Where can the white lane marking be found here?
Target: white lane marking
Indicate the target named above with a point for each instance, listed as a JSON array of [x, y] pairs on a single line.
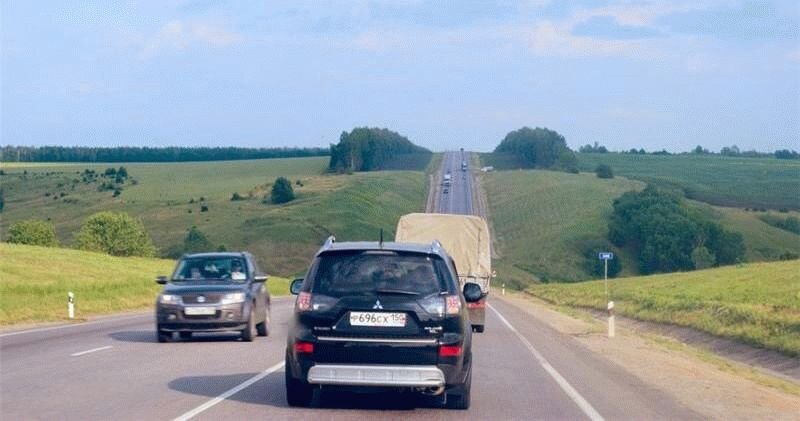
[[230, 392], [94, 322], [573, 394], [89, 351]]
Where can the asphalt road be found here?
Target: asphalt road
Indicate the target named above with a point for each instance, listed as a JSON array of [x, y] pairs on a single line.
[[458, 199], [113, 368]]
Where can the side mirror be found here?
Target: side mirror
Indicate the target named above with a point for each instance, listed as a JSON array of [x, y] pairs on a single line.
[[260, 277], [161, 280], [472, 292], [296, 286]]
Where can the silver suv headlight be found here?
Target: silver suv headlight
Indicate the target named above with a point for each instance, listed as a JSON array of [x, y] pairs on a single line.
[[170, 299], [236, 297]]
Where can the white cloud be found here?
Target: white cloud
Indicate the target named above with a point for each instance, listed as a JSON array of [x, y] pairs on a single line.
[[549, 39], [177, 35], [793, 55]]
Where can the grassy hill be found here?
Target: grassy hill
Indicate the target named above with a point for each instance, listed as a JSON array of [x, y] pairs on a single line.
[[719, 180], [168, 199], [754, 303], [542, 219], [34, 282]]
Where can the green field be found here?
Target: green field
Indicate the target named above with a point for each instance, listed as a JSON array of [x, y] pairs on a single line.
[[541, 219], [719, 180], [283, 237], [755, 303], [34, 282]]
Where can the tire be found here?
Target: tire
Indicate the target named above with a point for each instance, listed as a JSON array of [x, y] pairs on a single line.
[[461, 399], [162, 336], [478, 328], [298, 392], [185, 335], [263, 327], [249, 332]]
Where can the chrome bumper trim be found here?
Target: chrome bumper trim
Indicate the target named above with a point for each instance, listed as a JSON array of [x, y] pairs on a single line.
[[376, 375], [426, 341]]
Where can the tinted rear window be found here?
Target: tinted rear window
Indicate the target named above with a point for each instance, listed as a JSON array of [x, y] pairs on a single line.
[[371, 273]]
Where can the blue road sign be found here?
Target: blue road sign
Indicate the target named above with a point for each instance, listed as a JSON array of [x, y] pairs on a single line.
[[607, 255]]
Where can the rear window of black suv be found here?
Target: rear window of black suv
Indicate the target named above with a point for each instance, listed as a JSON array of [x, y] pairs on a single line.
[[348, 273]]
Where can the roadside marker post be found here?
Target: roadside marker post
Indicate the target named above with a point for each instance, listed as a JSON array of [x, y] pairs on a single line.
[[605, 257], [71, 305], [504, 289]]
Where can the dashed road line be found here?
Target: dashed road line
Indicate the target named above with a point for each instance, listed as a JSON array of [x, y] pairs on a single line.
[[89, 351]]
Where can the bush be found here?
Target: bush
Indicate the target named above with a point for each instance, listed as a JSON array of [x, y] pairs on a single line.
[[196, 241], [117, 234], [702, 258], [664, 232], [604, 171], [282, 191], [236, 196], [203, 208], [33, 232]]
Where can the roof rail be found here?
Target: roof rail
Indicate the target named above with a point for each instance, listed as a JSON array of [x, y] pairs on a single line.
[[329, 242]]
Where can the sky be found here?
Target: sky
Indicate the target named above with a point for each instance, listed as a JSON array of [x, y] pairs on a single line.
[[446, 74]]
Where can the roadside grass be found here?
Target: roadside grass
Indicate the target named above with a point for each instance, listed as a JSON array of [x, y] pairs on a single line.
[[541, 219], [756, 303], [34, 282], [719, 180], [282, 237]]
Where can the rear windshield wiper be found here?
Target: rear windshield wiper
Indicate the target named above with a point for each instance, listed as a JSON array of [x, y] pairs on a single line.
[[395, 291]]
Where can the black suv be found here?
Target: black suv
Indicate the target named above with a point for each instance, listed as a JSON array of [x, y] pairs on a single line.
[[381, 316], [213, 292]]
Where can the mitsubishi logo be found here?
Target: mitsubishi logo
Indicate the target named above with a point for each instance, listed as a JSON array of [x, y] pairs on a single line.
[[377, 305], [201, 299]]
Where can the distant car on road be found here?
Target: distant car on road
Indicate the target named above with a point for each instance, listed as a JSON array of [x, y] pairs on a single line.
[[213, 292], [446, 190], [381, 316]]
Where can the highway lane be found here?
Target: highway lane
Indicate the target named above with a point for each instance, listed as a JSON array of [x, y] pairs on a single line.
[[458, 200], [138, 378], [114, 368]]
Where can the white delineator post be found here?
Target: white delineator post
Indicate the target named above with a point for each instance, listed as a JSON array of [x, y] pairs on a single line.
[[71, 305], [611, 328], [504, 289]]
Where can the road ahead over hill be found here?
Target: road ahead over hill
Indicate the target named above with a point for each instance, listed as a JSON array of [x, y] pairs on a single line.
[[114, 368]]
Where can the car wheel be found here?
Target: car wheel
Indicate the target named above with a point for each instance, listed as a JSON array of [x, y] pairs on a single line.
[[298, 392], [162, 336], [250, 331], [186, 335], [478, 328], [461, 399], [263, 327]]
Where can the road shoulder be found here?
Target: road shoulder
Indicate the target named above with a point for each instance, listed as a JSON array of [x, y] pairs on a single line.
[[712, 386]]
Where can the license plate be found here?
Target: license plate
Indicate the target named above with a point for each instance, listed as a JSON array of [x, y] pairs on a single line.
[[360, 318], [199, 311]]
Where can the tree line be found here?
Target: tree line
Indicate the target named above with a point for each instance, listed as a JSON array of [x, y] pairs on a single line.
[[148, 154], [538, 148], [698, 150], [373, 149]]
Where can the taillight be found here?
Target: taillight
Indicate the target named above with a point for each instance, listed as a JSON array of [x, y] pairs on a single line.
[[477, 304], [453, 304], [450, 350], [304, 301], [304, 347]]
